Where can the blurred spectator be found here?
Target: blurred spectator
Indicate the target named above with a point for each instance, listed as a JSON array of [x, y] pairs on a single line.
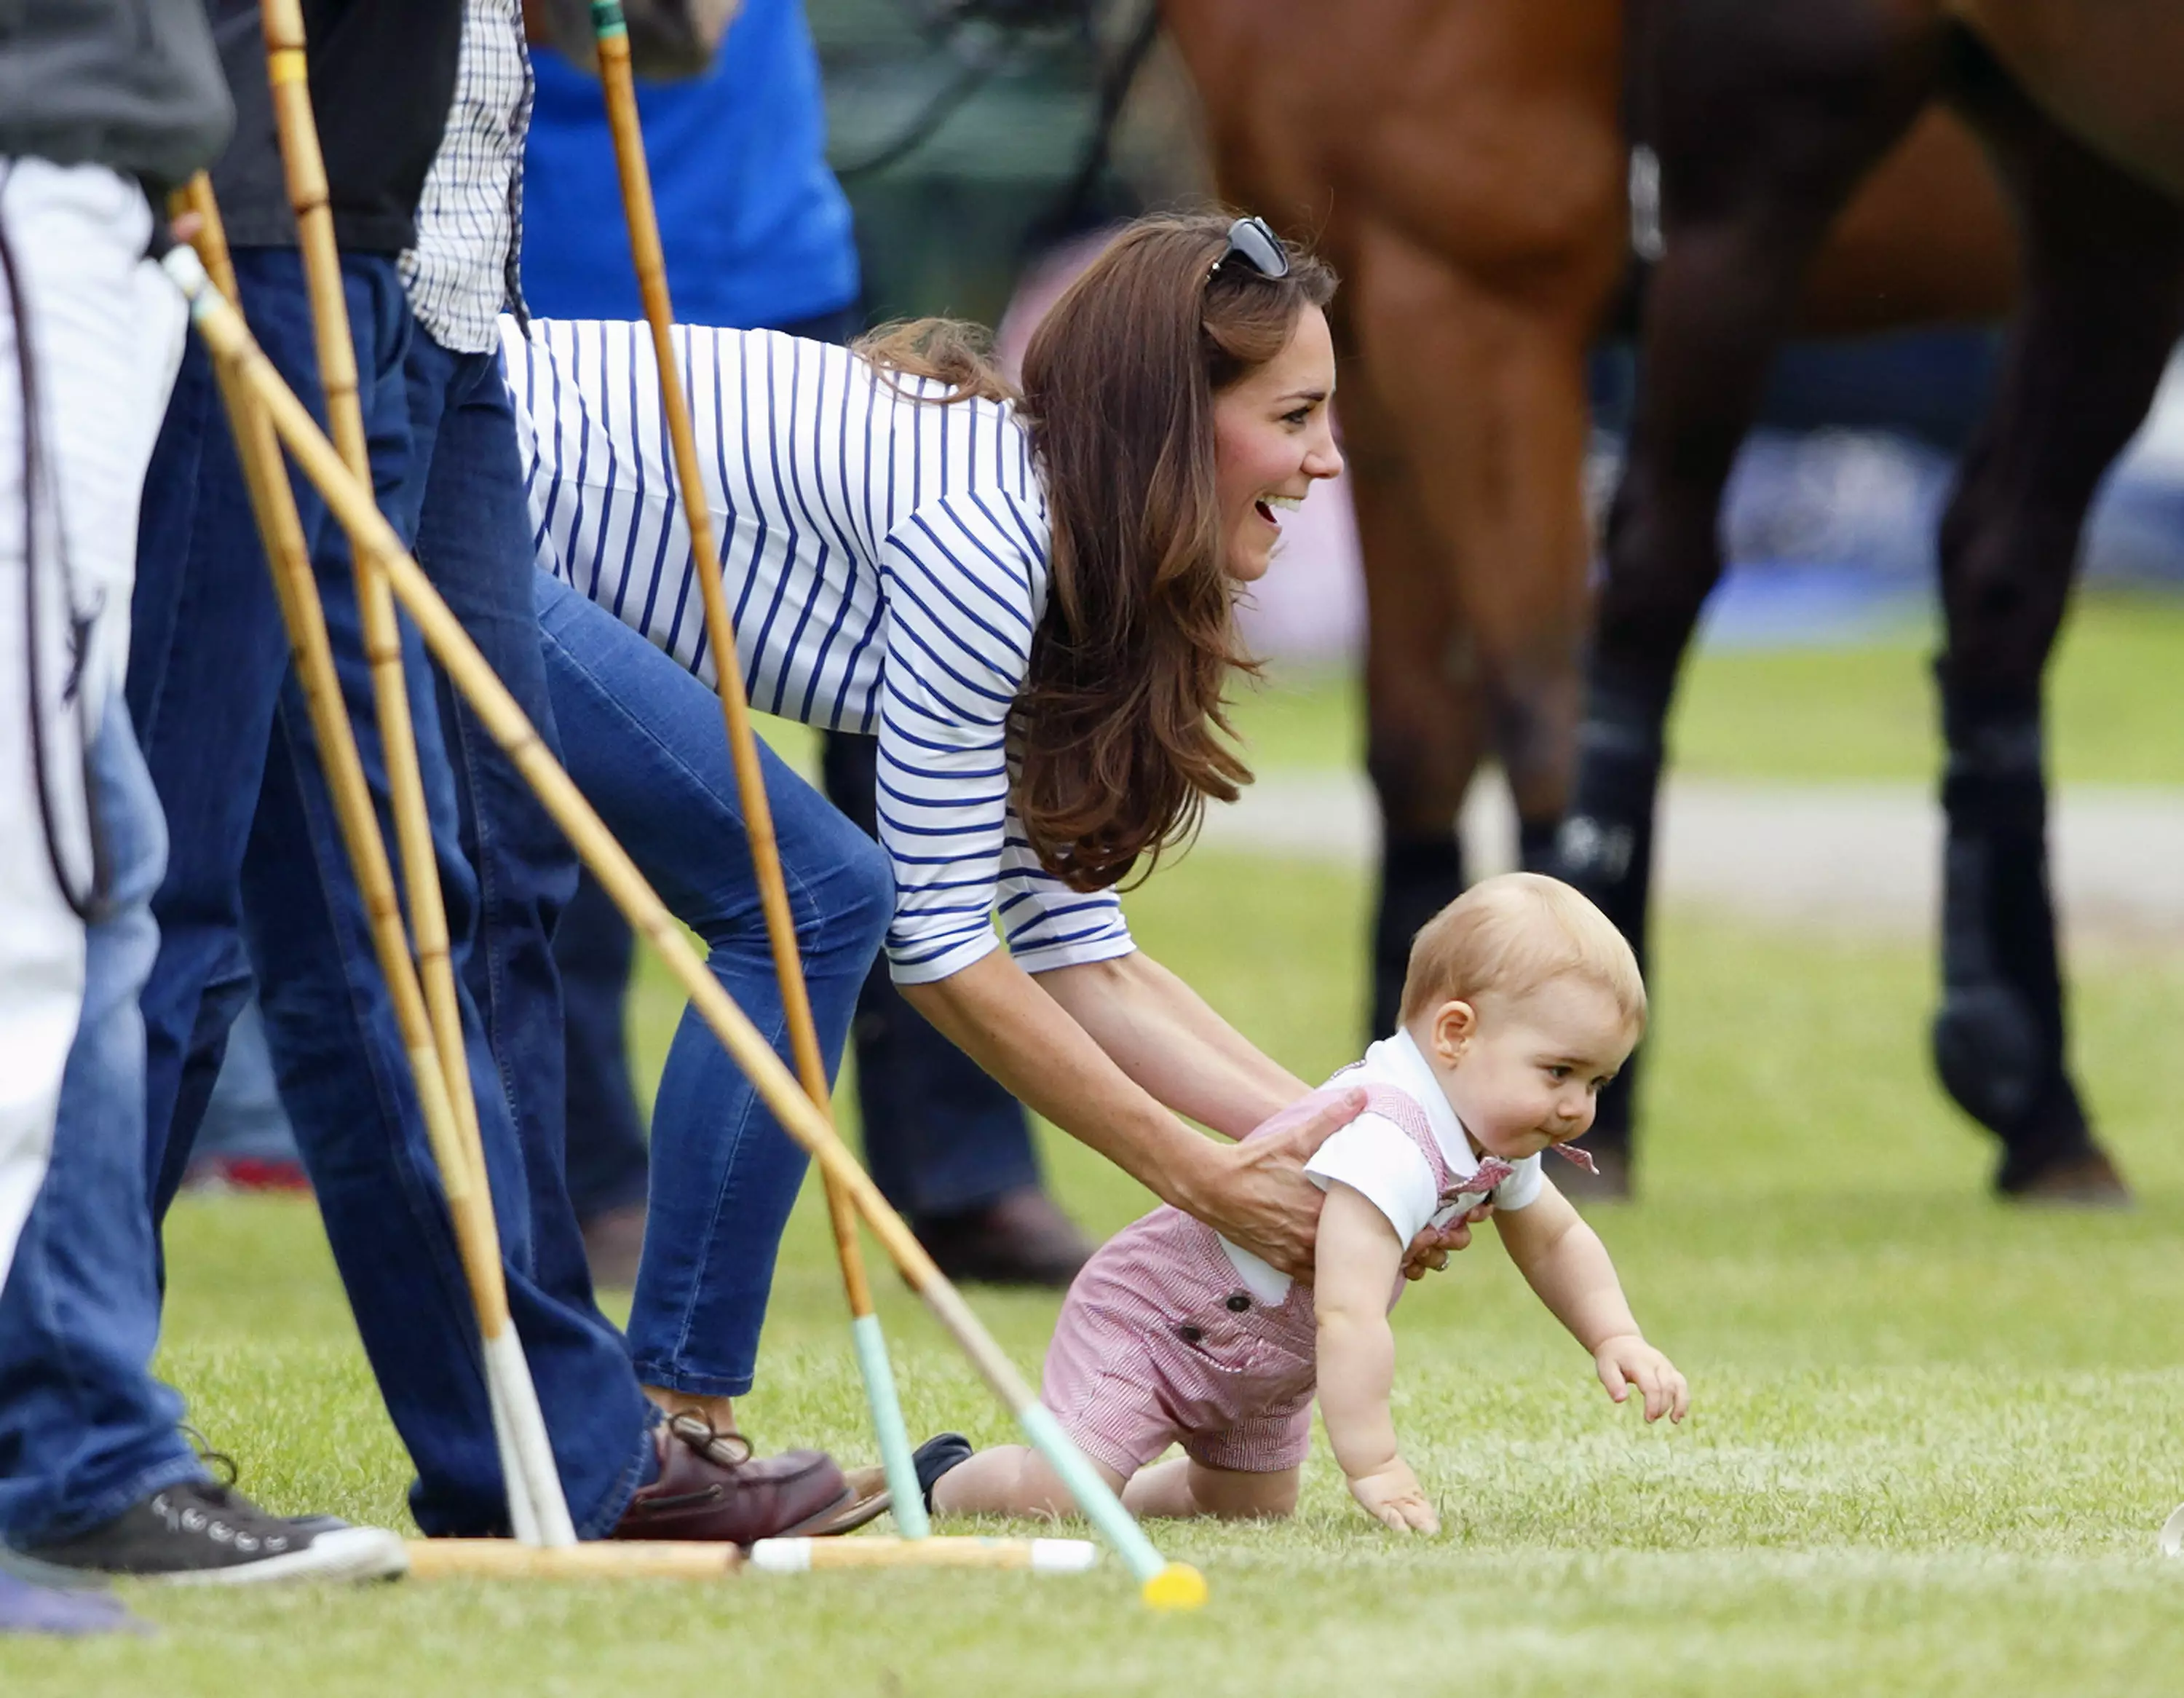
[[757, 234], [245, 1143]]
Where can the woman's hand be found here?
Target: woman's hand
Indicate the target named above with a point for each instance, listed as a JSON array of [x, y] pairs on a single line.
[[1429, 1251], [1258, 1198], [1255, 1194]]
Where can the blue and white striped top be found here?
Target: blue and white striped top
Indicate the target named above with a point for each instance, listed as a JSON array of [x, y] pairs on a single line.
[[885, 565]]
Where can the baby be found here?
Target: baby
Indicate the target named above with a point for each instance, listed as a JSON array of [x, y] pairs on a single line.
[[1522, 1002]]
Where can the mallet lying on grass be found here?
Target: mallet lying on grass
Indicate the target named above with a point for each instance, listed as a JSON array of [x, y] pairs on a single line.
[[501, 1559], [1163, 1584]]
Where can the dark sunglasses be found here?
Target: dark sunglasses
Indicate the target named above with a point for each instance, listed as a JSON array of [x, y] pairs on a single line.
[[1254, 241]]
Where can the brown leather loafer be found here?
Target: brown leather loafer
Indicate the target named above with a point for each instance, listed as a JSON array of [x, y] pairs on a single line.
[[712, 1487]]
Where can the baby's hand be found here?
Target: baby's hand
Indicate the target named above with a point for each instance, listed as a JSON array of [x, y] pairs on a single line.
[[1629, 1361], [1392, 1496]]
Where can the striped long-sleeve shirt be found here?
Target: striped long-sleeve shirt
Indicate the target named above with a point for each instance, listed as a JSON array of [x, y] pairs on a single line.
[[885, 563]]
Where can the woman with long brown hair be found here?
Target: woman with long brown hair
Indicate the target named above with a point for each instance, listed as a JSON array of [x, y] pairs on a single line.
[[1027, 594]]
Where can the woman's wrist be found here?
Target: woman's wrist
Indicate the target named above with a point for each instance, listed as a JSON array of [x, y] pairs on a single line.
[[1185, 1167]]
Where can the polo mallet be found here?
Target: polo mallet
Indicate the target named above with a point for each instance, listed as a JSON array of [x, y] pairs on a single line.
[[497, 1558], [1163, 1584], [612, 36], [538, 1511]]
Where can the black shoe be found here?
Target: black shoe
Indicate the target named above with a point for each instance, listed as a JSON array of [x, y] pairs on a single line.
[[935, 1457], [1020, 1238], [197, 1532]]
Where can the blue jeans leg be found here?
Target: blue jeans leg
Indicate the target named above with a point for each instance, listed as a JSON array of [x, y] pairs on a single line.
[[207, 654], [85, 1430], [474, 540], [643, 740]]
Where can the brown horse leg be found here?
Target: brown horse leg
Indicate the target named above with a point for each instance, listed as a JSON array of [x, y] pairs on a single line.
[[1814, 96], [2103, 278], [1488, 381], [1422, 723]]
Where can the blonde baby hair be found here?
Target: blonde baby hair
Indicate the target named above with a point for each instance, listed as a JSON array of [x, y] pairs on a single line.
[[1508, 936]]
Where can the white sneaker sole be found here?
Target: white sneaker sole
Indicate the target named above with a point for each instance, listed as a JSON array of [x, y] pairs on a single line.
[[353, 1553]]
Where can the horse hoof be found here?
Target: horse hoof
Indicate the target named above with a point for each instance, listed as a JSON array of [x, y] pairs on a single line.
[[2086, 1180]]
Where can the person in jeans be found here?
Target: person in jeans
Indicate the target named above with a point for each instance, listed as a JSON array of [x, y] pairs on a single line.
[[98, 102], [757, 235]]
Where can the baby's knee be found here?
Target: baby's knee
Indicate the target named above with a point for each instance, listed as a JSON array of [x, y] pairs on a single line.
[[1233, 1496]]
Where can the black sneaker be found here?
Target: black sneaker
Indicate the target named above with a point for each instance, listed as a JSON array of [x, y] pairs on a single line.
[[197, 1532], [935, 1457]]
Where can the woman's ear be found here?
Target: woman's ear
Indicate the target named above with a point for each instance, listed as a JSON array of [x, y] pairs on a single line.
[[1455, 1023]]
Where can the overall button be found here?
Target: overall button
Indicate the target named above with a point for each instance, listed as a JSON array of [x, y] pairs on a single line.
[[1188, 1334], [1238, 1301]]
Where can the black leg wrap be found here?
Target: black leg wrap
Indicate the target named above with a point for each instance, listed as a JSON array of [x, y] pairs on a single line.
[[1605, 846], [1535, 844], [1998, 1036], [1419, 876]]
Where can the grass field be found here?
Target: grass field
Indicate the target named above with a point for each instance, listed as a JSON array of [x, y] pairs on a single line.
[[1932, 1439]]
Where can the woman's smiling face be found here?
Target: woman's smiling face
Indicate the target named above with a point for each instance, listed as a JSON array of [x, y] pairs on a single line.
[[1273, 436]]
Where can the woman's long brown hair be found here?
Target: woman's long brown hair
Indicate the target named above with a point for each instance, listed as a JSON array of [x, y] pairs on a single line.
[[1120, 734]]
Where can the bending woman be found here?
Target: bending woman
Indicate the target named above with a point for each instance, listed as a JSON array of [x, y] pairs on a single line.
[[1027, 597]]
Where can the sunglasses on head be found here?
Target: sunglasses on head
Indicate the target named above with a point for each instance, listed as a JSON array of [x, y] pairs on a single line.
[[1253, 241]]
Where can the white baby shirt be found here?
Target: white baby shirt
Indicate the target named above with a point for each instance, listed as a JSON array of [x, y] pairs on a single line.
[[1375, 1157]]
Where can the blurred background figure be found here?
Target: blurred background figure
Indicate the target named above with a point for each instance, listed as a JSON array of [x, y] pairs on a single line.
[[758, 235], [246, 1142]]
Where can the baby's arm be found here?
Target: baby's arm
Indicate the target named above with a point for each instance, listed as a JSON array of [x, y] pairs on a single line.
[[1358, 1256], [1565, 1263]]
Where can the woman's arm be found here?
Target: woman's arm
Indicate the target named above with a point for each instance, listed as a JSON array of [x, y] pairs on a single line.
[[1255, 1194], [1161, 1032]]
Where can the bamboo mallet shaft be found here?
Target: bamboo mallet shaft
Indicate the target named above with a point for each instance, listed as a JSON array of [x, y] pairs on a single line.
[[612, 39], [638, 211]]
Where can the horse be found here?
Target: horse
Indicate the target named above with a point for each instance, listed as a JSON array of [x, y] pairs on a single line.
[[2105, 72], [1765, 121], [1468, 166]]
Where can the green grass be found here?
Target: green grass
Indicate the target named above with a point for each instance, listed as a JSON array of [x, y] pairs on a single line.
[[1865, 712], [1931, 1440]]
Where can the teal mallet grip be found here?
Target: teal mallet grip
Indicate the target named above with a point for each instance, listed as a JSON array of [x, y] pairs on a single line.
[[909, 1501]]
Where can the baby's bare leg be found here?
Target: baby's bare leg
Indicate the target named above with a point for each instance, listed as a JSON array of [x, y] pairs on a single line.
[[1010, 1480], [1182, 1488]]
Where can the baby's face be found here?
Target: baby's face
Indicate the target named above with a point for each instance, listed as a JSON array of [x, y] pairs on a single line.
[[1524, 1074]]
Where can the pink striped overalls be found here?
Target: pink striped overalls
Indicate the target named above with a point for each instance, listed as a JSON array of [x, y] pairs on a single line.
[[1160, 1341]]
